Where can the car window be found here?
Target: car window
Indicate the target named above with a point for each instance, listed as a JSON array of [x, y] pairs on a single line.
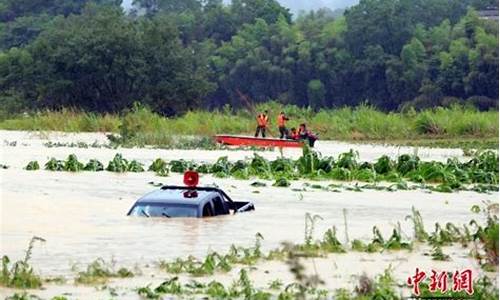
[[207, 210], [219, 207], [168, 211]]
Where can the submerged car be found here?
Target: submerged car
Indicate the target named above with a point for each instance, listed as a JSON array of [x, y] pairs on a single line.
[[188, 201]]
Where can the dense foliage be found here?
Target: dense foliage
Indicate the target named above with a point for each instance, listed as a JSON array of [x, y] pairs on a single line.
[[456, 126], [176, 55], [453, 175]]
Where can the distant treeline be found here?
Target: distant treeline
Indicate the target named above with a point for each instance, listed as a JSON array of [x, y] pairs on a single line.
[[177, 55]]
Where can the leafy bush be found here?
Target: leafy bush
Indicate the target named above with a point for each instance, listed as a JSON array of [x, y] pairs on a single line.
[[94, 165], [383, 165], [54, 165], [160, 167], [32, 166], [481, 170], [118, 164], [135, 166], [72, 164], [281, 182]]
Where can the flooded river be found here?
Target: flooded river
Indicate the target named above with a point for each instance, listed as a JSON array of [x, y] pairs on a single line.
[[82, 216]]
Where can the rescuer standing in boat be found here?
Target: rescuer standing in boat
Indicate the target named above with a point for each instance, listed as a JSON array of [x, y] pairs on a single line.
[[282, 118], [262, 120]]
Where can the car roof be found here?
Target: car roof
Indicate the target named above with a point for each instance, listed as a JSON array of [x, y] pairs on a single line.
[[177, 196]]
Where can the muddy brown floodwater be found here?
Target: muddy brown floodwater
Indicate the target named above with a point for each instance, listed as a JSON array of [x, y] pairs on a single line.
[[82, 215]]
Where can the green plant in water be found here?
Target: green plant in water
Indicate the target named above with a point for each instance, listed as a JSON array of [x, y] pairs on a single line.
[[310, 222], [348, 160], [438, 254], [72, 164], [260, 166], [488, 237], [275, 284], [450, 176], [32, 166], [180, 166], [99, 272], [23, 296], [160, 167], [135, 166], [418, 225], [330, 242], [441, 237], [281, 182], [383, 165], [407, 163], [54, 165], [170, 286], [118, 164], [395, 242], [358, 245], [94, 165], [21, 274]]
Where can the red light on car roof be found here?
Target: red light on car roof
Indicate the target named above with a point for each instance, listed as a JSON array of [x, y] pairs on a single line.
[[191, 178]]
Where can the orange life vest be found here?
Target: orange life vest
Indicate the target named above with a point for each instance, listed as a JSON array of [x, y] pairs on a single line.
[[262, 120], [281, 120]]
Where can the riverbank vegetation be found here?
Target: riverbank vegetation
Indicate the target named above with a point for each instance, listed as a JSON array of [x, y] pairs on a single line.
[[140, 126], [175, 56]]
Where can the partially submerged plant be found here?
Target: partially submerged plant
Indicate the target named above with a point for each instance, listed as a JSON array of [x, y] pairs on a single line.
[[282, 182], [99, 272], [481, 170], [72, 164], [418, 225], [54, 165], [135, 166], [488, 237], [438, 254], [32, 166], [160, 167], [21, 274], [118, 164], [94, 165], [215, 262]]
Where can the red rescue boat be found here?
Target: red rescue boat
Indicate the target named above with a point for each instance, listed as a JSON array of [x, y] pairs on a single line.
[[238, 140]]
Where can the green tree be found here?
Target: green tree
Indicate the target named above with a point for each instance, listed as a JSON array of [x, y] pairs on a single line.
[[316, 94]]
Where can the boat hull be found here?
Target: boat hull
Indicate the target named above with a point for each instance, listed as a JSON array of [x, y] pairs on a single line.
[[234, 140]]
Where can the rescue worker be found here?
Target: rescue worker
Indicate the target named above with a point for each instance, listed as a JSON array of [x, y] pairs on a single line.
[[282, 118], [262, 120], [294, 135], [305, 134]]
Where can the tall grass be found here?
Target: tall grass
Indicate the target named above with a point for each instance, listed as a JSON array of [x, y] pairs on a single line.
[[68, 120], [358, 123]]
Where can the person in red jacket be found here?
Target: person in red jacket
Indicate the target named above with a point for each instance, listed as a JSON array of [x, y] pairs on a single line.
[[262, 120], [305, 134], [282, 118], [294, 135]]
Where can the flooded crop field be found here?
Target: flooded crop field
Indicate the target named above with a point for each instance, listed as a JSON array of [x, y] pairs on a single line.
[[82, 217]]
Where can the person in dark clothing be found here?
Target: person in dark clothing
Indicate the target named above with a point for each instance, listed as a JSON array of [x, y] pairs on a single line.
[[262, 120]]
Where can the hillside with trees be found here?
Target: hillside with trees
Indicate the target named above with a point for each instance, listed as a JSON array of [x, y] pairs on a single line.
[[176, 55]]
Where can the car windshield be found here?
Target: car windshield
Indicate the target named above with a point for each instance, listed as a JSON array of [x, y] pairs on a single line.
[[168, 211]]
